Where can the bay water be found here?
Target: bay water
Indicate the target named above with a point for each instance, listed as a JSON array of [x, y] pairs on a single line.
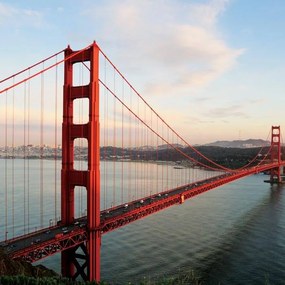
[[234, 234]]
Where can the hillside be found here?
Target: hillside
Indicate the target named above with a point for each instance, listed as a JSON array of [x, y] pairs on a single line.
[[240, 143], [15, 267]]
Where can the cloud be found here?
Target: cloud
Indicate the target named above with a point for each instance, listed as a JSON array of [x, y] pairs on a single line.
[[206, 14], [229, 111], [174, 46], [6, 10], [16, 17]]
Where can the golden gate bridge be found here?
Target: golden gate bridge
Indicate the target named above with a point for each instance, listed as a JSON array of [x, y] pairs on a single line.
[[106, 126]]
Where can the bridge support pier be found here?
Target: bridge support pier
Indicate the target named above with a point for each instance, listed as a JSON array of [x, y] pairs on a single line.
[[75, 264], [90, 179]]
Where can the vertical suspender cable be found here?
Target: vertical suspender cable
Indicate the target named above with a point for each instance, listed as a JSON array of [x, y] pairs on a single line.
[[137, 153], [114, 142], [13, 161], [108, 166], [28, 158], [173, 159], [152, 155], [135, 158], [122, 151], [142, 164], [25, 118], [145, 155], [168, 160], [41, 148], [144, 130], [108, 181], [139, 169], [157, 188], [162, 166], [55, 142], [130, 152], [6, 166]]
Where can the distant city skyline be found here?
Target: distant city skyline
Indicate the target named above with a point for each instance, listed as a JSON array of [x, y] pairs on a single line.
[[213, 69]]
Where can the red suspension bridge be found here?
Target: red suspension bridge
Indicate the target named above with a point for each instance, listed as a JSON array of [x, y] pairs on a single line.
[[120, 160]]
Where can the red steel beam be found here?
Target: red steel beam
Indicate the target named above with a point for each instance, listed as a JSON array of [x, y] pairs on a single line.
[[90, 179]]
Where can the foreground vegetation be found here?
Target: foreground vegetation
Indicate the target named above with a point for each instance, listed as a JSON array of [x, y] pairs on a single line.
[[182, 279]]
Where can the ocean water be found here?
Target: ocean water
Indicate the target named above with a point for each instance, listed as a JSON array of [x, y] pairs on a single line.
[[233, 234]]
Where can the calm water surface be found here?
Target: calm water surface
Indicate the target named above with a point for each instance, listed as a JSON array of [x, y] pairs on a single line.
[[231, 235]]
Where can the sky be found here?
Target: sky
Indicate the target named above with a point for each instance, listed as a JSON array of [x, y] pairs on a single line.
[[213, 69]]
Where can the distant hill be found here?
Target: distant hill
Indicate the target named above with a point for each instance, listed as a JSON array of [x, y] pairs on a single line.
[[240, 143]]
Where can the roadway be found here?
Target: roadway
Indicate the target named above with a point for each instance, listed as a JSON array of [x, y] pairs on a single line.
[[39, 244]]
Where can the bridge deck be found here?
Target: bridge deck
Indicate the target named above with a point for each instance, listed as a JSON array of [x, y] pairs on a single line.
[[46, 242]]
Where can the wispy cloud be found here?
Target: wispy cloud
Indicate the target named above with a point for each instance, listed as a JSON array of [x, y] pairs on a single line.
[[174, 45], [6, 11], [228, 111], [206, 14], [13, 16]]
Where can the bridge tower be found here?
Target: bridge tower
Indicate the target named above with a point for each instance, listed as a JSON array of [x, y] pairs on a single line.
[[275, 173], [89, 267]]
